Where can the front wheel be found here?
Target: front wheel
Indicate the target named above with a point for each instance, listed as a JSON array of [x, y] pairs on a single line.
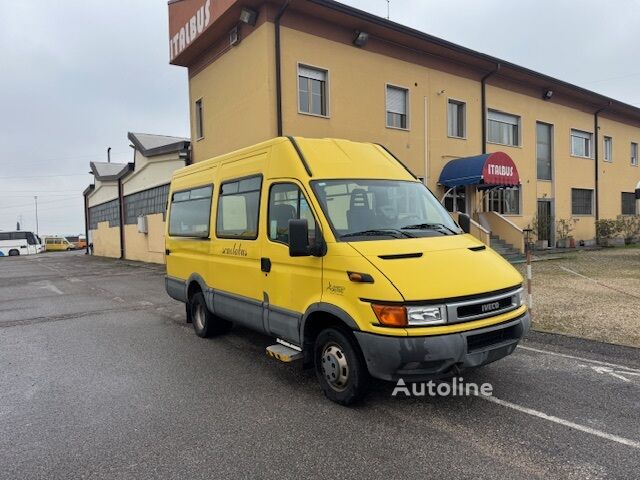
[[205, 323], [340, 367]]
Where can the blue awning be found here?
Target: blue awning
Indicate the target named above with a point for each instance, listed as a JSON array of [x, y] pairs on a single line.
[[496, 169]]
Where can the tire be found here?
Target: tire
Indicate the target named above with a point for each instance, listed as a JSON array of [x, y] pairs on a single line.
[[205, 323], [14, 253], [340, 366]]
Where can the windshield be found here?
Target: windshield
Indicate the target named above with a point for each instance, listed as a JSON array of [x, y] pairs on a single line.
[[374, 209]]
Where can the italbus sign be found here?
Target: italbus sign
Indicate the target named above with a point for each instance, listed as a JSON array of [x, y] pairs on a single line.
[[499, 169], [190, 30]]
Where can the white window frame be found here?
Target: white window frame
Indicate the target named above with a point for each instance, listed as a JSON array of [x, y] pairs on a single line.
[[327, 86], [571, 135], [462, 104], [199, 118], [634, 159], [490, 193], [408, 106], [608, 152], [519, 125]]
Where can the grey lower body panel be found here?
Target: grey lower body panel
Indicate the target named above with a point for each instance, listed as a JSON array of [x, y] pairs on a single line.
[[242, 310], [176, 288], [428, 357]]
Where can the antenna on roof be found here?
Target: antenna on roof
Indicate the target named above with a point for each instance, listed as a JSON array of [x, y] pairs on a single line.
[[388, 8], [109, 155]]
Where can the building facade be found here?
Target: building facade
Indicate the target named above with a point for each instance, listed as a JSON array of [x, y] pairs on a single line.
[[317, 68], [126, 205]]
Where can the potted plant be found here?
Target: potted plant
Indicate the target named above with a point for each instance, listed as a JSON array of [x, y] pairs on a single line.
[[538, 226], [564, 229]]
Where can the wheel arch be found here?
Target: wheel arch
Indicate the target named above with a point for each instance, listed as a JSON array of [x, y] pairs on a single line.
[[196, 283], [318, 317]]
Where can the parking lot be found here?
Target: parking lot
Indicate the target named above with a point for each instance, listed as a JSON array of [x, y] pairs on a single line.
[[101, 378]]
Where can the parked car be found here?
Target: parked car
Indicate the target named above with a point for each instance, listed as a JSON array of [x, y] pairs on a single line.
[[79, 241], [53, 244], [335, 249]]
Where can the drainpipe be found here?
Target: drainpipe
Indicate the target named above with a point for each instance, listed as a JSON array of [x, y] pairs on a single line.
[[121, 219], [483, 100], [277, 19], [596, 138], [86, 224]]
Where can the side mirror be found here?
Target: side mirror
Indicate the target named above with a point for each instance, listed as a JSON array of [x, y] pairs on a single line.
[[299, 238], [465, 222]]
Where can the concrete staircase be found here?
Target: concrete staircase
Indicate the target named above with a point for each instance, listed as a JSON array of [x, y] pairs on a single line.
[[507, 250]]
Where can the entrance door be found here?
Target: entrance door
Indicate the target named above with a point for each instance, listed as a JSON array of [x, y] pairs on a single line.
[[290, 283], [545, 221]]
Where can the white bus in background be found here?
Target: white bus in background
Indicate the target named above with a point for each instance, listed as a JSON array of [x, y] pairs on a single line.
[[19, 243]]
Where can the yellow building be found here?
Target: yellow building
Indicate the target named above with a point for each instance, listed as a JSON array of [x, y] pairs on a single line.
[[317, 68], [126, 205]]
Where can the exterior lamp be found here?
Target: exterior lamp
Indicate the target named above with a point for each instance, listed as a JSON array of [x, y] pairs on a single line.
[[547, 95], [361, 38], [248, 16]]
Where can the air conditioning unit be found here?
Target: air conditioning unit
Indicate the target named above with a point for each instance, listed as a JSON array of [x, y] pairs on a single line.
[[234, 37], [143, 226]]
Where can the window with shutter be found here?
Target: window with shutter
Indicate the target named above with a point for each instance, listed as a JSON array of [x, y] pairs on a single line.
[[396, 107]]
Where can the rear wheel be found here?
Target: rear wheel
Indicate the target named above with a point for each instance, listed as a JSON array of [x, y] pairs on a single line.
[[14, 253], [205, 323], [340, 367]]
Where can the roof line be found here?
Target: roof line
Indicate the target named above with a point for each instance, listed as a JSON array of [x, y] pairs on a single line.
[[369, 17]]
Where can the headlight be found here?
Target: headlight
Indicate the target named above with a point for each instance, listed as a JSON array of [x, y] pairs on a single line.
[[427, 315], [520, 298]]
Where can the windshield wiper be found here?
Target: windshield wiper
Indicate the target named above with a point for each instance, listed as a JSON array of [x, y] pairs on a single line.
[[378, 232], [429, 226]]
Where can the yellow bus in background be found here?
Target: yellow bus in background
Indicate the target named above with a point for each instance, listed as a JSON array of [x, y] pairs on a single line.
[[56, 244]]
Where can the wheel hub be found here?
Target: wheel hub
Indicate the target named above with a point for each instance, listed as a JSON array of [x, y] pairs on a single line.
[[199, 316], [334, 367]]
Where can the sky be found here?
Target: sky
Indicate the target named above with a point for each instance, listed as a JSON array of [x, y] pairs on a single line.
[[77, 75]]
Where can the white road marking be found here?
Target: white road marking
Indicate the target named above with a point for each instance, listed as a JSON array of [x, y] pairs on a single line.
[[47, 285], [560, 421], [615, 373], [587, 360]]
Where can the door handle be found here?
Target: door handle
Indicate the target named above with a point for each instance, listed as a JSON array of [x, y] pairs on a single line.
[[265, 264]]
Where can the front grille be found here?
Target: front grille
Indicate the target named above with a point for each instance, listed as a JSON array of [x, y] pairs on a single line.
[[484, 340], [484, 308]]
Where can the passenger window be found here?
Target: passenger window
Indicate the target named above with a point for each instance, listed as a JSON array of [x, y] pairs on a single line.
[[238, 207], [287, 202], [190, 213]]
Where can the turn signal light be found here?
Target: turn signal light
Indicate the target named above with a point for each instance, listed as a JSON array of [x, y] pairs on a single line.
[[390, 315]]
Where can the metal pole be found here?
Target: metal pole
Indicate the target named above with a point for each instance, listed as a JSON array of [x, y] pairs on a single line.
[[37, 229], [388, 9], [527, 248]]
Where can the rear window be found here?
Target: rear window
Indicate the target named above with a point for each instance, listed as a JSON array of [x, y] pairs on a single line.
[[191, 212]]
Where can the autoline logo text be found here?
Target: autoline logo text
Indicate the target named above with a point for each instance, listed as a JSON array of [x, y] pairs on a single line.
[[457, 388]]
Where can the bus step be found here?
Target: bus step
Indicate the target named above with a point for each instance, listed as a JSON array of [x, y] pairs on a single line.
[[283, 353]]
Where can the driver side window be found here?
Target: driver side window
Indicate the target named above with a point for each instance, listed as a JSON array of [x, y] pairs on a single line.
[[287, 202]]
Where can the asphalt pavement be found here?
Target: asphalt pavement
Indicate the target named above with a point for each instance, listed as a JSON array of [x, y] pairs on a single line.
[[101, 378]]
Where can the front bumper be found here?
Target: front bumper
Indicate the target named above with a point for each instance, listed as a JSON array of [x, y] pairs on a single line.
[[428, 357]]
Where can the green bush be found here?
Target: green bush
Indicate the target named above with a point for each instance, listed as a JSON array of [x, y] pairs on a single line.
[[629, 227], [607, 228]]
